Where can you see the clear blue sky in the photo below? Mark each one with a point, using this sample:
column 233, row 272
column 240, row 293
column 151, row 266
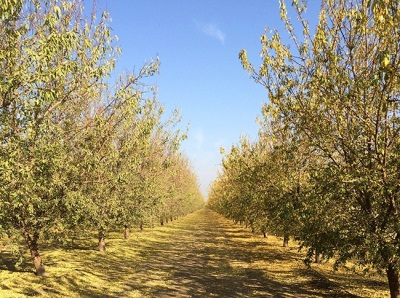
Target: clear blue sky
column 198, row 42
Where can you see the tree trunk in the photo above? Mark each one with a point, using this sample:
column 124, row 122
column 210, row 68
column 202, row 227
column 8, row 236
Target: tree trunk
column 393, row 278
column 265, row 234
column 285, row 240
column 161, row 222
column 102, row 241
column 126, row 232
column 318, row 256
column 34, row 250
column 141, row 227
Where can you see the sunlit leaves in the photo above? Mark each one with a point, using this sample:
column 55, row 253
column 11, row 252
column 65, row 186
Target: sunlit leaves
column 337, row 91
column 77, row 150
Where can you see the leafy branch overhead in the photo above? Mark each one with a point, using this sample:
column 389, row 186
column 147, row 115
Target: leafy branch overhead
column 325, row 169
column 78, row 152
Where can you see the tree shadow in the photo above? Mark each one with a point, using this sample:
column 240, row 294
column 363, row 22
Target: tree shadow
column 202, row 255
column 8, row 262
column 211, row 261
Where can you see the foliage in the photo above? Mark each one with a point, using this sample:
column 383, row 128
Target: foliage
column 333, row 126
column 76, row 152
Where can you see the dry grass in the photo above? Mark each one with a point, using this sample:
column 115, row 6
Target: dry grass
column 201, row 255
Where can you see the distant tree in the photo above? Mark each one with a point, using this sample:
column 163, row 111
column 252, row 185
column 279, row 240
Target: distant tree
column 111, row 150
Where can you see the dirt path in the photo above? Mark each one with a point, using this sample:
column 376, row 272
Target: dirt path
column 205, row 255
column 195, row 259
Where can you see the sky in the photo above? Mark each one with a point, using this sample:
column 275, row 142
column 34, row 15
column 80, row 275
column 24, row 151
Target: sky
column 198, row 42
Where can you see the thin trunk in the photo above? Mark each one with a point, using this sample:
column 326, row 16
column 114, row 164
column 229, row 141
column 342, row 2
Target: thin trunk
column 102, row 241
column 393, row 279
column 126, row 232
column 265, row 234
column 141, row 227
column 161, row 222
column 34, row 250
column 318, row 256
column 285, row 240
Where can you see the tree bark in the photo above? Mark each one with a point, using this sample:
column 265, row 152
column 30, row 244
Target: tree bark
column 126, row 232
column 34, row 250
column 318, row 256
column 393, row 279
column 286, row 240
column 141, row 227
column 265, row 234
column 161, row 222
column 102, row 241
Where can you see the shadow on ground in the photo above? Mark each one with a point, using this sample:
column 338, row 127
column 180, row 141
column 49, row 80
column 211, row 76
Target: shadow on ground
column 206, row 256
column 201, row 255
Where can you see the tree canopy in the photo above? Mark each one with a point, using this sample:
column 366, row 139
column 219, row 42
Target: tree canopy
column 78, row 151
column 326, row 166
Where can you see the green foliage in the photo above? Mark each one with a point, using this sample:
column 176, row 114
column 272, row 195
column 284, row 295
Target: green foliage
column 76, row 153
column 332, row 134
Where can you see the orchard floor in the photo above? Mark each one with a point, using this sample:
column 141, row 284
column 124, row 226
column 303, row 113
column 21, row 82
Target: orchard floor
column 200, row 255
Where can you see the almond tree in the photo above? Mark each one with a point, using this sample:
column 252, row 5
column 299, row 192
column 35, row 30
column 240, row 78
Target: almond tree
column 52, row 61
column 340, row 88
column 110, row 150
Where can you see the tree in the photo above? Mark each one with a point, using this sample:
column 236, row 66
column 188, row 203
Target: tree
column 340, row 89
column 111, row 150
column 51, row 64
column 263, row 182
column 76, row 153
